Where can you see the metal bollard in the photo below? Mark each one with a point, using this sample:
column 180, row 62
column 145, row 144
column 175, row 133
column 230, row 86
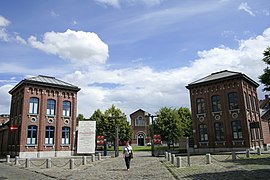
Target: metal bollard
column 166, row 155
column 93, row 158
column 247, row 153
column 71, row 164
column 99, row 156
column 233, row 156
column 173, row 157
column 259, row 152
column 178, row 162
column 8, row 159
column 208, row 158
column 27, row 163
column 169, row 157
column 84, row 160
column 16, row 160
column 49, row 163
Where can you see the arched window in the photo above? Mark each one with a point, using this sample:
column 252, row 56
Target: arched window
column 50, row 107
column 49, row 136
column 66, row 108
column 200, row 105
column 203, row 132
column 233, row 100
column 31, row 135
column 140, row 121
column 65, row 135
column 33, row 105
column 216, row 105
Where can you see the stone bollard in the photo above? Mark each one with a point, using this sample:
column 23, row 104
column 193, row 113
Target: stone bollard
column 166, row 155
column 259, row 152
column 178, row 162
column 99, row 156
column 48, row 163
column 233, row 156
column 169, row 156
column 172, row 159
column 71, row 164
column 93, row 158
column 27, row 163
column 247, row 153
column 208, row 158
column 8, row 159
column 84, row 160
column 16, row 160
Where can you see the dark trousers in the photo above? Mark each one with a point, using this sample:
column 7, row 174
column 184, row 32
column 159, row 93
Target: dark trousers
column 127, row 160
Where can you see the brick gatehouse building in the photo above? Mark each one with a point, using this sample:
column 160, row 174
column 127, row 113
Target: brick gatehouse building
column 226, row 113
column 42, row 118
column 140, row 128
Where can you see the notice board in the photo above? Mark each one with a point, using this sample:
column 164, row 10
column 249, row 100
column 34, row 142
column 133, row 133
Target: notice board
column 86, row 137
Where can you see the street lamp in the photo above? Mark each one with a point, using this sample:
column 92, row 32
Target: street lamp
column 152, row 130
column 116, row 149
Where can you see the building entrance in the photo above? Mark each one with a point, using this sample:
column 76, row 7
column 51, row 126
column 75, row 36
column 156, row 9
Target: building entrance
column 140, row 139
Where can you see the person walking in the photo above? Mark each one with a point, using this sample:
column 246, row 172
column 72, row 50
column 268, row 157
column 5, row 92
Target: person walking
column 127, row 154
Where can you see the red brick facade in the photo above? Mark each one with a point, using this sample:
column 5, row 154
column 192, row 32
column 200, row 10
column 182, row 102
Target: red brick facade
column 140, row 128
column 22, row 141
column 230, row 118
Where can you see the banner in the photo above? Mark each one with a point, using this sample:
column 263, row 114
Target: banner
column 86, row 137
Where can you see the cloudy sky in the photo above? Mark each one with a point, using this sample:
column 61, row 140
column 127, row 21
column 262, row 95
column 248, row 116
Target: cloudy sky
column 130, row 53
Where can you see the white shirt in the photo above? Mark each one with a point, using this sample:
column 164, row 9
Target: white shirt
column 127, row 150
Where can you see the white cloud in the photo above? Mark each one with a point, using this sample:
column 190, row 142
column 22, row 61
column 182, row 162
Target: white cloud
column 148, row 89
column 3, row 32
column 5, row 98
column 244, row 6
column 119, row 3
column 81, row 48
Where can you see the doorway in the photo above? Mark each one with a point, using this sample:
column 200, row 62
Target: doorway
column 140, row 139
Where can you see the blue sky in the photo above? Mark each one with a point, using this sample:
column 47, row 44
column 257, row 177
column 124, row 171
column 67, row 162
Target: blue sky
column 131, row 53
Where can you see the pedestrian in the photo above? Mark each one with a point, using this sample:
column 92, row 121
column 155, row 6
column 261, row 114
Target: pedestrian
column 127, row 154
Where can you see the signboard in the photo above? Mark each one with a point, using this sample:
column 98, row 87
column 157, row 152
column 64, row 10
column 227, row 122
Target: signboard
column 254, row 125
column 86, row 137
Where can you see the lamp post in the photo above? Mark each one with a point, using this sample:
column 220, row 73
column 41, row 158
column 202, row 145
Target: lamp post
column 152, row 131
column 116, row 149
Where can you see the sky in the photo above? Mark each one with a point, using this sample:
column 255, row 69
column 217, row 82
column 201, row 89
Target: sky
column 135, row 54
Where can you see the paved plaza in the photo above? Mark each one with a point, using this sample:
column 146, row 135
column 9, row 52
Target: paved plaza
column 145, row 167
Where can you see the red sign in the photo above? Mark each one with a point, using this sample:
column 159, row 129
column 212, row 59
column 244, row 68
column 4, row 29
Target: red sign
column 13, row 127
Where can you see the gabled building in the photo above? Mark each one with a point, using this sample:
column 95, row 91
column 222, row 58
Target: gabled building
column 140, row 128
column 225, row 112
column 42, row 118
column 265, row 117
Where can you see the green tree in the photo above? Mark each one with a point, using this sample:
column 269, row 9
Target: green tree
column 101, row 122
column 265, row 77
column 168, row 122
column 80, row 117
column 186, row 122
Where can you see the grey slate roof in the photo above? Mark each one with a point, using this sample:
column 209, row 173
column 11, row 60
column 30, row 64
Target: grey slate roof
column 46, row 81
column 221, row 75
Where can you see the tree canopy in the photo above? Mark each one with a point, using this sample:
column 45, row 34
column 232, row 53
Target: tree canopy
column 265, row 77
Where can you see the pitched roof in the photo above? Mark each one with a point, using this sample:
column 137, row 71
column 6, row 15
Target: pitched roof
column 221, row 75
column 46, row 81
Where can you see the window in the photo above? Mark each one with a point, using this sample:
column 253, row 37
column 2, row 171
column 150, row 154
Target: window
column 65, row 135
column 200, row 105
column 233, row 101
column 31, row 135
column 219, row 130
column 50, row 107
column 66, row 108
column 255, row 104
column 49, row 136
column 33, row 105
column 246, row 100
column 236, row 130
column 216, row 106
column 250, row 102
column 203, row 132
column 140, row 121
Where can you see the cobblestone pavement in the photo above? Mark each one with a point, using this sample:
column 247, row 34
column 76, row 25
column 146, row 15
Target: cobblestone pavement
column 222, row 168
column 144, row 167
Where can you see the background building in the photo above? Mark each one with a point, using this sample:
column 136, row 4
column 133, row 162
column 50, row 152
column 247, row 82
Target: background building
column 225, row 112
column 42, row 118
column 140, row 128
